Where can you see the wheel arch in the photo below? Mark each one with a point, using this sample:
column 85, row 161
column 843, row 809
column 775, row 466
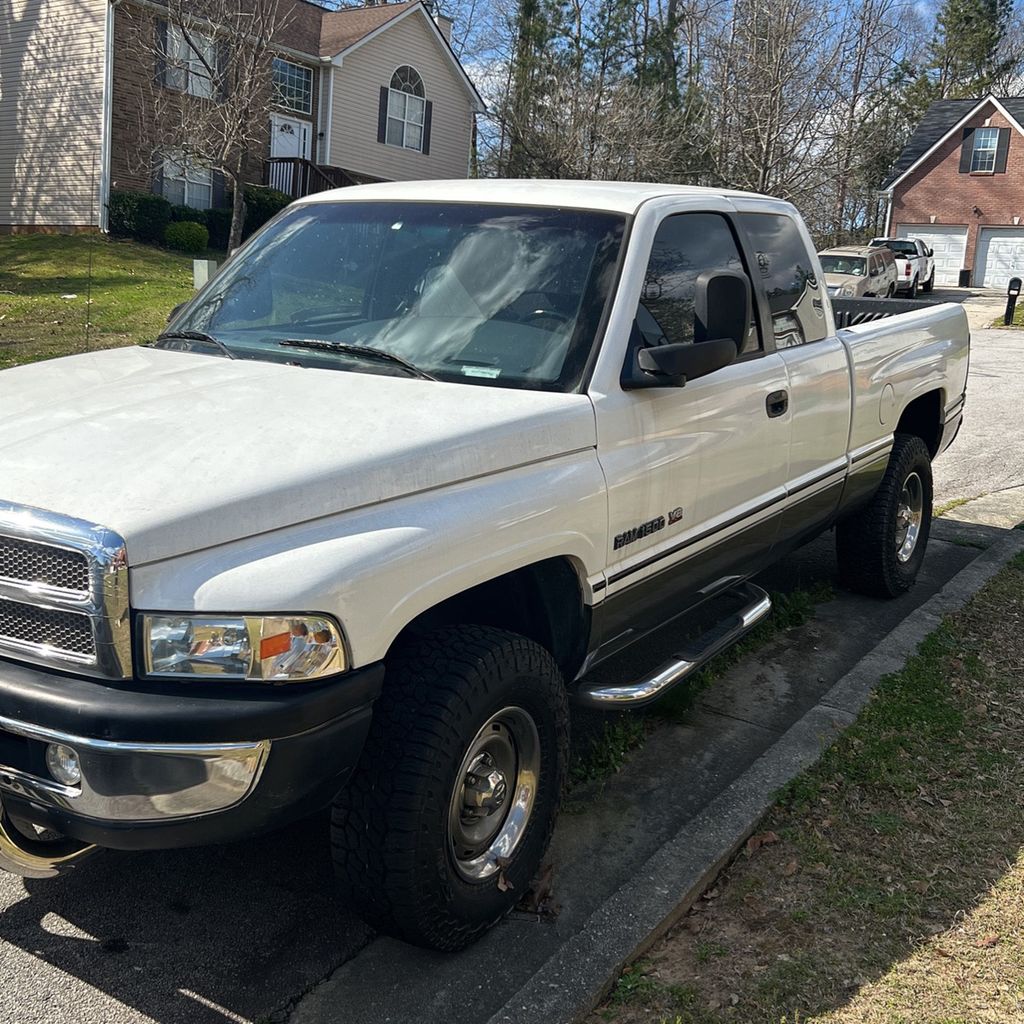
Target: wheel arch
column 923, row 418
column 543, row 601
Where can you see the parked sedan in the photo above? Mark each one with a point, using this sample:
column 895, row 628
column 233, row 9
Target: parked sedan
column 857, row 271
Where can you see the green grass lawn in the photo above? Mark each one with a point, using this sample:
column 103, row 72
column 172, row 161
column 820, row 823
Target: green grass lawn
column 887, row 885
column 134, row 287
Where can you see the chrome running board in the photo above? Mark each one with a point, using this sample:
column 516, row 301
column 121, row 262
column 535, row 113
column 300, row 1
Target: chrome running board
column 720, row 636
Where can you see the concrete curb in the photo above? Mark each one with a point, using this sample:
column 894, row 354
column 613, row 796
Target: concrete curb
column 574, row 980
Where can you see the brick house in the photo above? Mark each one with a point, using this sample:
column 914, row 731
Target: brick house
column 361, row 94
column 959, row 185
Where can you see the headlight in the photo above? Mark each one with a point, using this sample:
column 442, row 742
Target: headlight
column 848, row 289
column 271, row 649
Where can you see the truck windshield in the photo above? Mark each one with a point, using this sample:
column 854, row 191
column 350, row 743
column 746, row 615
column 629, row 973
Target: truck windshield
column 506, row 296
column 851, row 265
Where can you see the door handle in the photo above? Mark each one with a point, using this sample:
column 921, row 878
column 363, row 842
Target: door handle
column 777, row 403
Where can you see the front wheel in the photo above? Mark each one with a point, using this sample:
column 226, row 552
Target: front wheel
column 881, row 548
column 891, row 292
column 449, row 812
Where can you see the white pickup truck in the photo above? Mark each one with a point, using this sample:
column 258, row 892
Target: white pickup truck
column 915, row 264
column 360, row 525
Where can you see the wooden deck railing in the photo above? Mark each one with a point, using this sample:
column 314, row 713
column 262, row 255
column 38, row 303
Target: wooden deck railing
column 297, row 177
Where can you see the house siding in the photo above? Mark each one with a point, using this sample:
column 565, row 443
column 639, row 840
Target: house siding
column 937, row 193
column 357, row 85
column 51, row 112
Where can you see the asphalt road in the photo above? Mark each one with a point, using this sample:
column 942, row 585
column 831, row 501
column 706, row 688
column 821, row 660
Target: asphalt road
column 989, row 452
column 239, row 933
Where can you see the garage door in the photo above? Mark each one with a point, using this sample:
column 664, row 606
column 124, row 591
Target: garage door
column 1000, row 257
column 949, row 244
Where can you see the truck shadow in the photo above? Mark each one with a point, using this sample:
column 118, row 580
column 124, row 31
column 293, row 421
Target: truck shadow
column 214, row 934
column 234, row 933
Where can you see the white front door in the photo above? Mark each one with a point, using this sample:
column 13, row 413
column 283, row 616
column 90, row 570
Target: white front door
column 948, row 242
column 290, row 137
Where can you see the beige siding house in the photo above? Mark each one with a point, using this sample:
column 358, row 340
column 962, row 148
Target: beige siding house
column 362, row 75
column 53, row 164
column 373, row 92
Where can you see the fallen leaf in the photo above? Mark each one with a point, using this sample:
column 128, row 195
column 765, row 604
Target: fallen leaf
column 754, row 843
column 921, row 887
column 790, row 868
column 710, row 894
column 944, row 952
column 987, row 942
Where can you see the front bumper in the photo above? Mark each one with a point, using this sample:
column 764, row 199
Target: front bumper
column 177, row 764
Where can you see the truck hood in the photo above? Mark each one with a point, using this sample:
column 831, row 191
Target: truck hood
column 179, row 452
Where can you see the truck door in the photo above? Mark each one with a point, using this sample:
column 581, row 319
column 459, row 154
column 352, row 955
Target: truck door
column 693, row 472
column 819, row 384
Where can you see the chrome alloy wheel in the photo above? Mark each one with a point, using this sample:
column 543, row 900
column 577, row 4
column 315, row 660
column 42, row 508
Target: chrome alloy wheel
column 909, row 516
column 495, row 790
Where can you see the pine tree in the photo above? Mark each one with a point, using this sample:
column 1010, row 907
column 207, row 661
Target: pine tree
column 964, row 57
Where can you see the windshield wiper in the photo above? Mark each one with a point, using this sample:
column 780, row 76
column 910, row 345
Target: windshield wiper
column 206, row 339
column 362, row 351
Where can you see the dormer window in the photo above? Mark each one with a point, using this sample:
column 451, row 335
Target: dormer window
column 406, row 110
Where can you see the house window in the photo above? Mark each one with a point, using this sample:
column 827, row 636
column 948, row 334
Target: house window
column 406, row 110
column 293, row 86
column 191, row 57
column 983, row 155
column 187, row 184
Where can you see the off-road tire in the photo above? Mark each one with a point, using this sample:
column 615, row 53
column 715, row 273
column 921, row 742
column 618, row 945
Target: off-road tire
column 390, row 826
column 866, row 542
column 930, row 283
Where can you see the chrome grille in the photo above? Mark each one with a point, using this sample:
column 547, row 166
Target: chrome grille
column 46, row 627
column 27, row 562
column 63, row 593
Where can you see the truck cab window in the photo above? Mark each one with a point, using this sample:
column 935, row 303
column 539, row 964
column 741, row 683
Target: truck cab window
column 685, row 246
column 786, row 272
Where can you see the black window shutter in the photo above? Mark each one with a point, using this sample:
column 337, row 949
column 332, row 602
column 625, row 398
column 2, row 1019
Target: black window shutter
column 219, row 198
column 223, row 52
column 161, row 52
column 428, row 117
column 382, row 115
column 966, row 151
column 1001, row 148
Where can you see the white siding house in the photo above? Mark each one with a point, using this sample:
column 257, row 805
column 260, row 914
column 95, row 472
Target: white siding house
column 52, row 85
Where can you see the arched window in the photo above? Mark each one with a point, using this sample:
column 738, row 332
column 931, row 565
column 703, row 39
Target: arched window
column 408, row 112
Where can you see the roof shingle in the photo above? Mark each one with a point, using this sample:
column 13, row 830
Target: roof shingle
column 340, row 29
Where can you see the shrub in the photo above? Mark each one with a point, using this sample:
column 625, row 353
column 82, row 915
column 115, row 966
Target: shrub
column 121, row 213
column 188, row 213
column 219, row 224
column 260, row 205
column 152, row 215
column 187, row 236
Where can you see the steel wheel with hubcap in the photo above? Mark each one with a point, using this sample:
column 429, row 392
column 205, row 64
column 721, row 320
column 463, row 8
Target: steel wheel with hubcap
column 447, row 816
column 494, row 793
column 881, row 547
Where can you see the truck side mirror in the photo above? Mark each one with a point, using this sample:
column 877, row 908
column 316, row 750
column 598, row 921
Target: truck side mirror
column 673, row 365
column 722, row 307
column 174, row 312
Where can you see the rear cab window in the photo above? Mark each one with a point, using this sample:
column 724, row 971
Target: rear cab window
column 785, row 273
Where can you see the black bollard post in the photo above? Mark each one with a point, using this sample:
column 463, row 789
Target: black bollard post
column 1012, row 291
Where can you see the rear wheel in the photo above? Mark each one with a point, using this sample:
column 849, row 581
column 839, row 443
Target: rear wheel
column 912, row 293
column 881, row 548
column 930, row 283
column 452, row 805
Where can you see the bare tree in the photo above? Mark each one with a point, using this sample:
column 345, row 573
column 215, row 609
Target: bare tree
column 208, row 101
